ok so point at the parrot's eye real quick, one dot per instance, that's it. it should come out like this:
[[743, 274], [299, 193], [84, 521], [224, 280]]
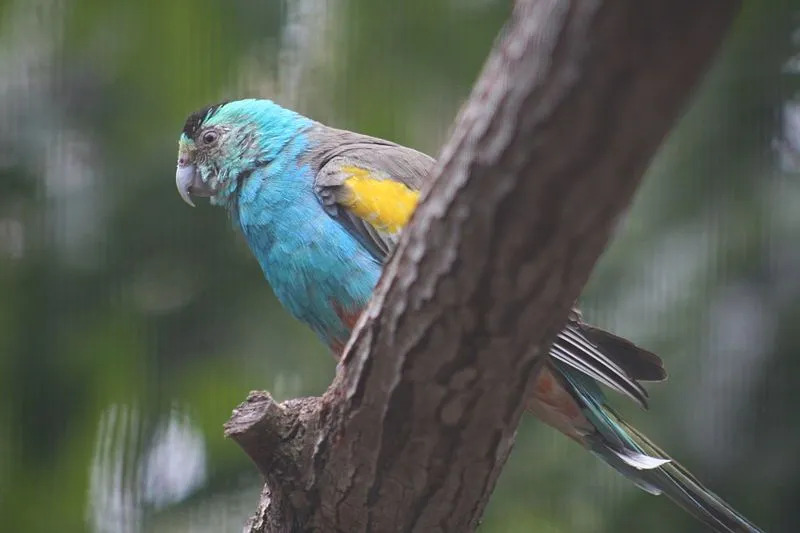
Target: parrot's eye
[[210, 137]]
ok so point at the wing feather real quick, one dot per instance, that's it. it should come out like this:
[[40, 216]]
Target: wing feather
[[341, 156], [572, 348], [338, 152]]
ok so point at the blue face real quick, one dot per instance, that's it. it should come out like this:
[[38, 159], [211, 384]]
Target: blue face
[[224, 143], [248, 155]]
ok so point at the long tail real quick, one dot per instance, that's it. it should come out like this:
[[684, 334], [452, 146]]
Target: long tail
[[632, 454], [672, 479]]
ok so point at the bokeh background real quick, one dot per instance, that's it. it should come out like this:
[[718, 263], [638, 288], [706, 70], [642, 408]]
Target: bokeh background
[[131, 325]]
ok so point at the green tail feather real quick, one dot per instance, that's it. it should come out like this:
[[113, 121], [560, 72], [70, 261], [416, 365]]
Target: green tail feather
[[633, 455], [674, 481]]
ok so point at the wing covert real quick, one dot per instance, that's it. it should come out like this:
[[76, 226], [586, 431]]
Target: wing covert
[[370, 186]]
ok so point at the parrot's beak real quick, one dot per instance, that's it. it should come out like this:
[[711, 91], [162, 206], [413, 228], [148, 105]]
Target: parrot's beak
[[189, 183]]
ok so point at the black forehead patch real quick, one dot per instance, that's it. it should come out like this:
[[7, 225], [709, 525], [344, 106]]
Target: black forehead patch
[[196, 119]]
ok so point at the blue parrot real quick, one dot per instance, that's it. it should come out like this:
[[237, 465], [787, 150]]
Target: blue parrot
[[322, 209]]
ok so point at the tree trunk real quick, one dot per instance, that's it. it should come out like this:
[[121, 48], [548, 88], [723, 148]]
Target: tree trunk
[[574, 100]]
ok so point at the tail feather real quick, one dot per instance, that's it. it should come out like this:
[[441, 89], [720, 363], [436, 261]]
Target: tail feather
[[673, 480], [633, 455]]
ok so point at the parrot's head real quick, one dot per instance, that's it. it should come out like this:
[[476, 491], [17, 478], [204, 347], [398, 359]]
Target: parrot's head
[[223, 144]]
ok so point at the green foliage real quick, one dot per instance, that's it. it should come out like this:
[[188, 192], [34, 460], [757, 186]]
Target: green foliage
[[116, 298]]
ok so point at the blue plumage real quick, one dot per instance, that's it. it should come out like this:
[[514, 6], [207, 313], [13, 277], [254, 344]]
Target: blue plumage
[[280, 176], [317, 270]]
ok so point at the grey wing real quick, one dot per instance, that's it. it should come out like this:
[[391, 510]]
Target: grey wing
[[383, 160], [637, 362], [611, 360]]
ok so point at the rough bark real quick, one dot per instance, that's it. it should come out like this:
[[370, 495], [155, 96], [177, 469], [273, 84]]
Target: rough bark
[[572, 104]]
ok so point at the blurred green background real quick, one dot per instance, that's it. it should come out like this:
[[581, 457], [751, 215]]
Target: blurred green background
[[131, 325]]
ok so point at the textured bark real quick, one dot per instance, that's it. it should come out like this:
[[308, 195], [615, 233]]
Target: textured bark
[[572, 104]]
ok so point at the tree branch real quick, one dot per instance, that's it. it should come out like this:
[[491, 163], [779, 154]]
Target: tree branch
[[572, 104]]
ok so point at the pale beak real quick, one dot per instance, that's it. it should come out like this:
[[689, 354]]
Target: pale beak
[[189, 182]]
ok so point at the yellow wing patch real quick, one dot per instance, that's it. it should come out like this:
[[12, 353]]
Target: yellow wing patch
[[386, 204]]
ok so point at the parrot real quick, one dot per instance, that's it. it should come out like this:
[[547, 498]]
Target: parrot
[[322, 209]]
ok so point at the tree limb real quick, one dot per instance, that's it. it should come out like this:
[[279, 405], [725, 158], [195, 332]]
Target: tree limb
[[572, 104]]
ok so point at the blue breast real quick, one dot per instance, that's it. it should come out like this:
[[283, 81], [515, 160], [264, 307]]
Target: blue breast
[[316, 268]]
